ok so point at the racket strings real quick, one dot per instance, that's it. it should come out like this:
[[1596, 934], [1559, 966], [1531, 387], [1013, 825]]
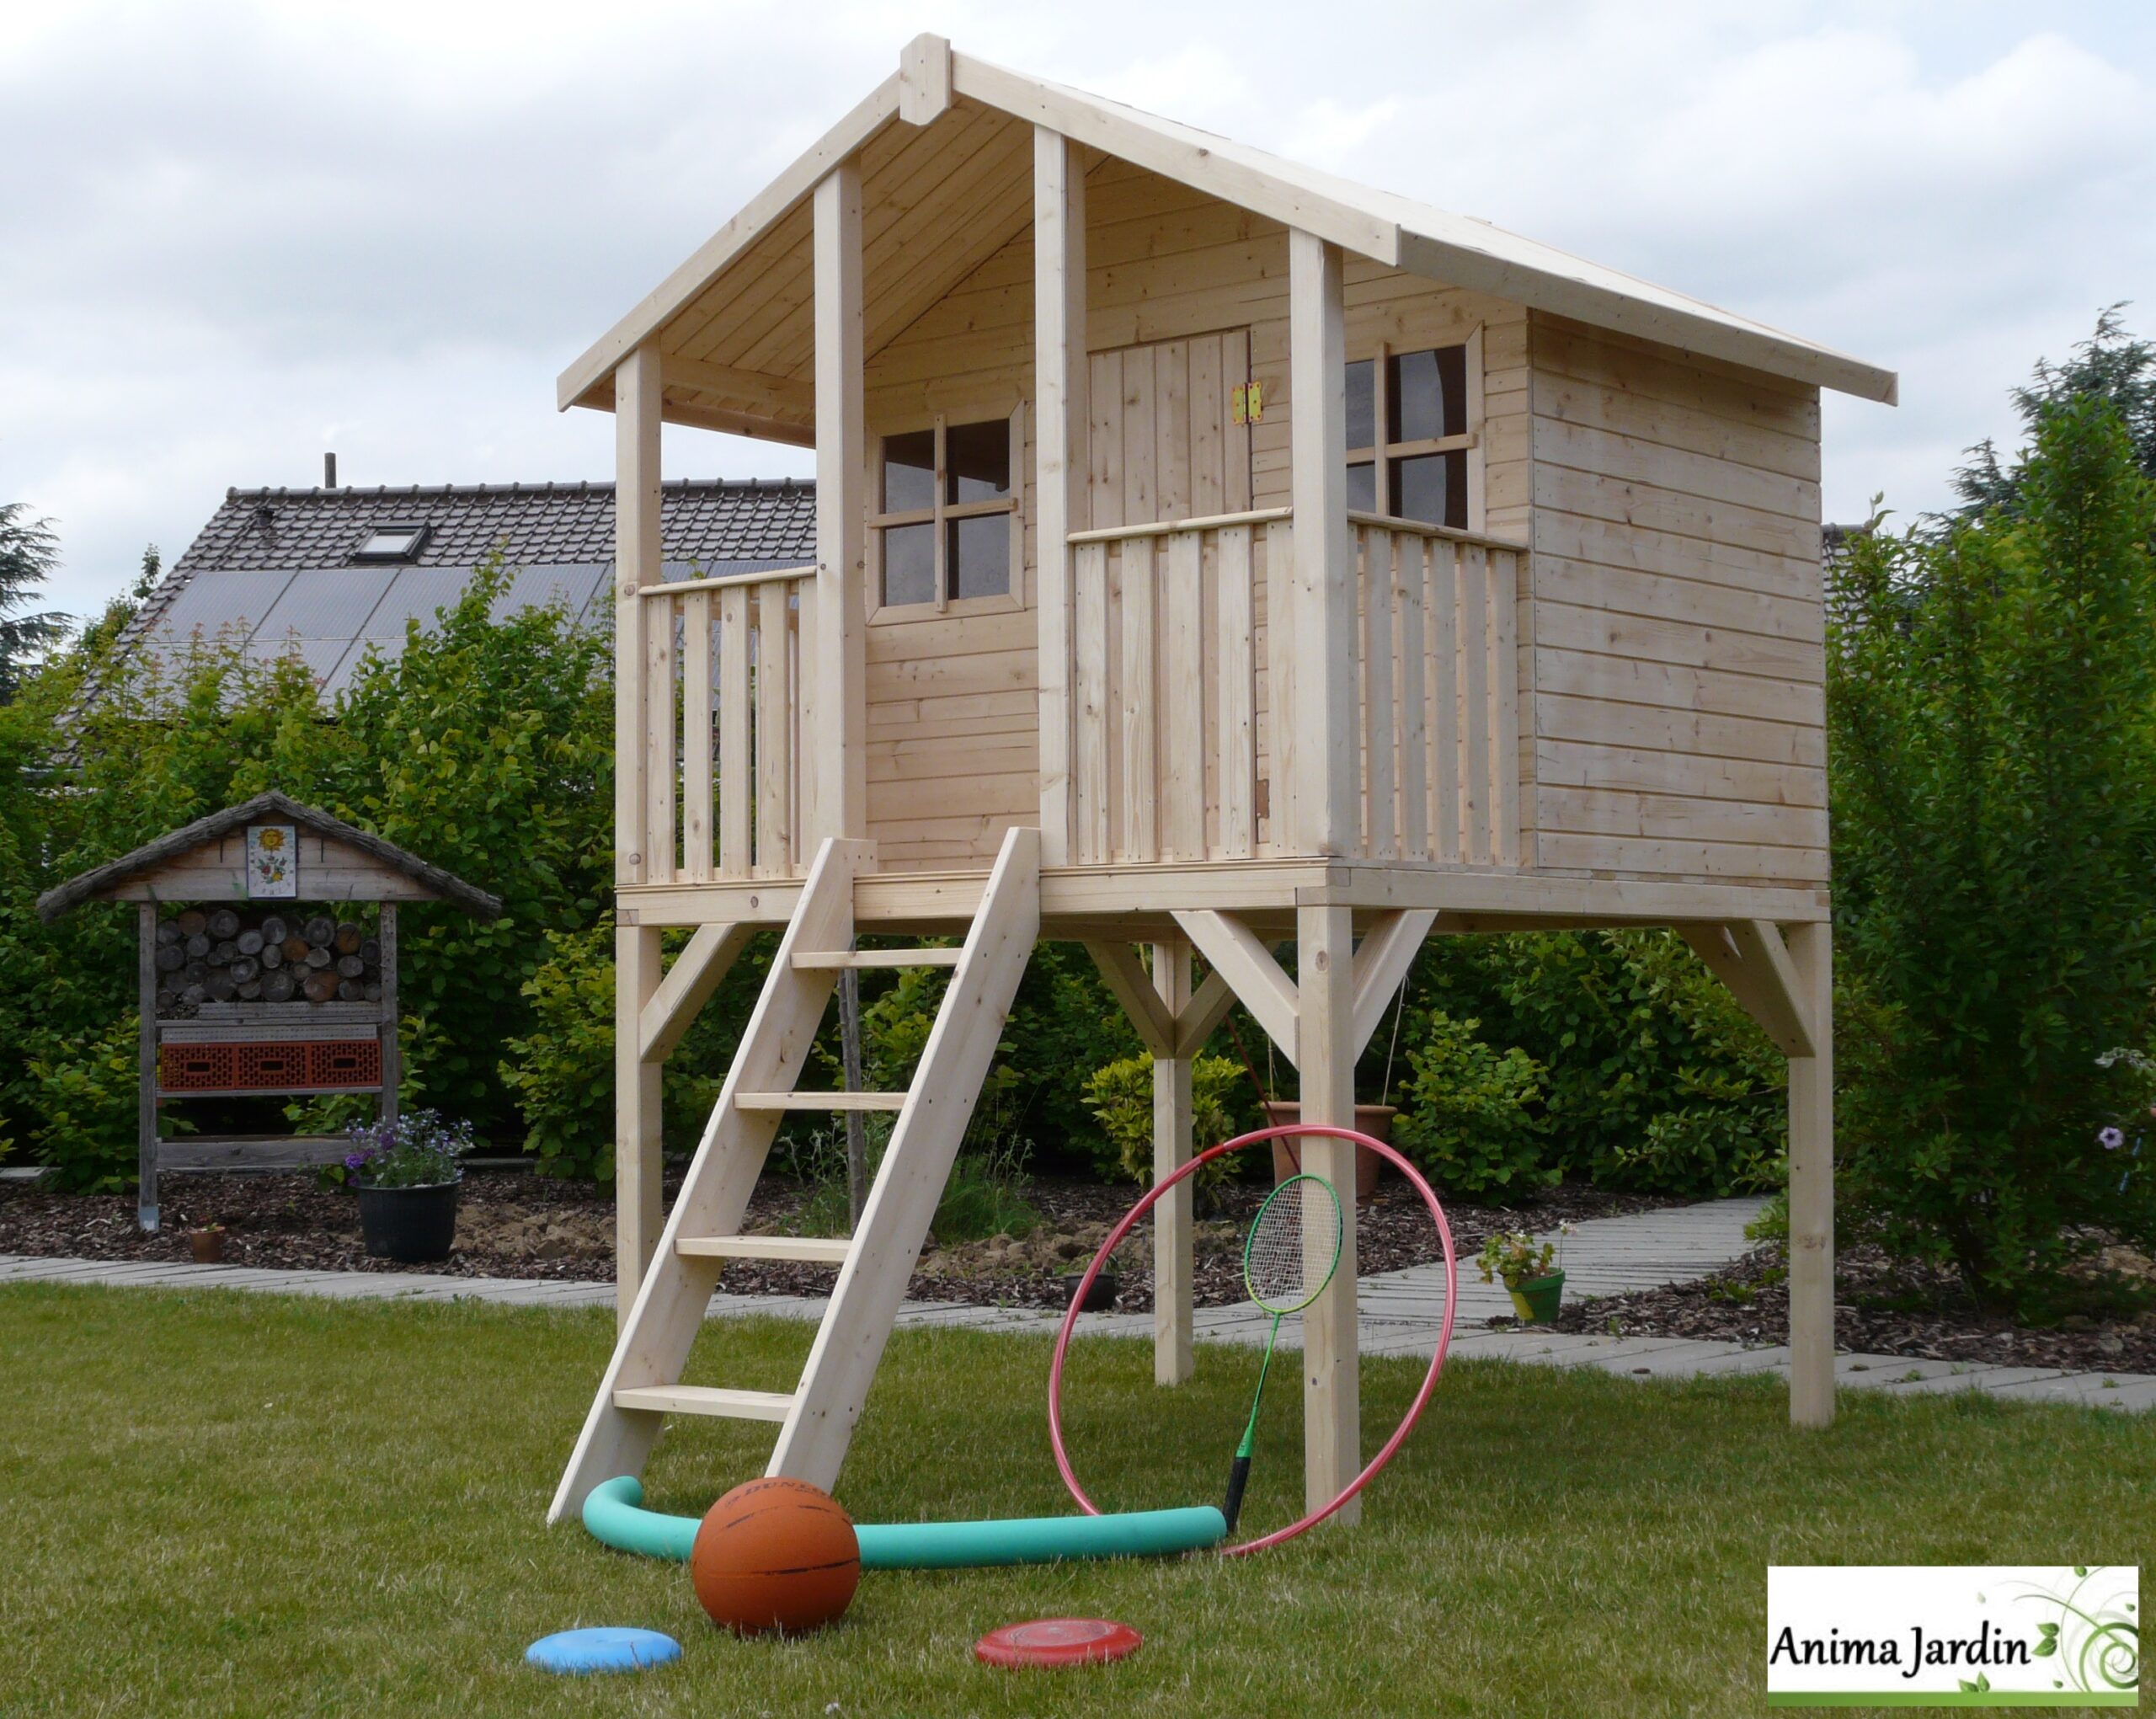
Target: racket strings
[[1294, 1246]]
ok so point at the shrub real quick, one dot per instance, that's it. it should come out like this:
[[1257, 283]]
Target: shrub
[[1990, 693], [86, 1096], [1121, 1095], [1470, 1113]]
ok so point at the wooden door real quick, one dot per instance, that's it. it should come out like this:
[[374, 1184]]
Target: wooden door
[[1164, 443]]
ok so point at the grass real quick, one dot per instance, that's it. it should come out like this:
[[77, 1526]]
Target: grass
[[239, 1504]]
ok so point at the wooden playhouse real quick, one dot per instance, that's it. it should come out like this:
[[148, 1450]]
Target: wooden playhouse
[[1212, 555]]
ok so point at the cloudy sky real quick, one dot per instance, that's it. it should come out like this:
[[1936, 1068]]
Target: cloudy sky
[[232, 236]]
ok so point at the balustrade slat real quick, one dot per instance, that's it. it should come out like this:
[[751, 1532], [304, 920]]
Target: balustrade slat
[[1410, 580], [1090, 701], [1504, 687], [1181, 701], [774, 708], [1280, 686], [1475, 700], [660, 777], [735, 764], [1138, 734], [1237, 627], [1444, 696], [1381, 828], [696, 737]]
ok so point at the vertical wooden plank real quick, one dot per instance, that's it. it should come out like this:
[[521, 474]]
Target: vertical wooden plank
[[1234, 438], [1060, 371], [1324, 613], [638, 1164], [1208, 405], [1811, 1183], [146, 1033], [737, 776], [1235, 631], [392, 1047], [1478, 512], [636, 565], [1139, 727], [1104, 440], [1172, 473], [661, 765], [1504, 707], [774, 713], [1443, 562], [696, 737], [1173, 1218], [833, 757], [1182, 700], [1283, 825], [1404, 569], [1475, 700], [1141, 491], [1380, 816], [1325, 1042], [1090, 759]]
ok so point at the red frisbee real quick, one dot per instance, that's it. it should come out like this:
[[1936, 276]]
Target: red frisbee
[[1058, 1642]]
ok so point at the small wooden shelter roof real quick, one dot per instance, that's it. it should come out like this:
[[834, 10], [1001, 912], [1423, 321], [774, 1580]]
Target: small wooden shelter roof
[[946, 154], [264, 808]]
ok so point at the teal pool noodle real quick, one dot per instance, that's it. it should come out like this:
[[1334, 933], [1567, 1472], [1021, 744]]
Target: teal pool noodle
[[614, 1515]]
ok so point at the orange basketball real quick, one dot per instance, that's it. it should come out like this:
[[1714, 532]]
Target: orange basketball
[[776, 1555]]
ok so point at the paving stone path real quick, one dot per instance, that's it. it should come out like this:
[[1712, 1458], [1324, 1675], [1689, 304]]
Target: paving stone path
[[1400, 1310]]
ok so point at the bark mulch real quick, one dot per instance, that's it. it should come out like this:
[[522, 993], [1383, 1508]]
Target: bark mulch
[[1884, 1309], [519, 1226]]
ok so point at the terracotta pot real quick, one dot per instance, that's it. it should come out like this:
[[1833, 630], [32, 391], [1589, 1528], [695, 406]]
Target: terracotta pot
[[207, 1245], [1374, 1120]]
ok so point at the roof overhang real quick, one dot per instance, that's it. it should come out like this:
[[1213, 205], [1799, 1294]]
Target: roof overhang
[[772, 397]]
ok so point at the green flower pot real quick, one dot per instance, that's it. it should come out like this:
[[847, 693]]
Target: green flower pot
[[1536, 1300]]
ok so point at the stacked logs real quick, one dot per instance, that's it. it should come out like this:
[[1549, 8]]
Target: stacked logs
[[217, 955]]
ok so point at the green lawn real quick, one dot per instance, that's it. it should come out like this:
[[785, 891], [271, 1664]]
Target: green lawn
[[230, 1504]]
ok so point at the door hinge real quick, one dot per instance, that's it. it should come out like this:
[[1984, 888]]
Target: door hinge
[[1246, 402]]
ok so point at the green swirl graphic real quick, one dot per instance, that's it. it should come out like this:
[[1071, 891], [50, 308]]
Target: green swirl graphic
[[2096, 1641]]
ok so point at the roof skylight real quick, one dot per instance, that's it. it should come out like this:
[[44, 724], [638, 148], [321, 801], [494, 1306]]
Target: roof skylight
[[398, 543]]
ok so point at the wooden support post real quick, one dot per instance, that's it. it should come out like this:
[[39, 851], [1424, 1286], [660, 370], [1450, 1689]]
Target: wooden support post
[[1331, 1371], [837, 780], [1811, 1183], [1173, 1217], [1327, 790], [146, 1127], [1060, 370], [392, 1047], [638, 1161]]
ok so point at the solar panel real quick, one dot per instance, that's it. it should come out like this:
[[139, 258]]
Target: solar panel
[[210, 603], [321, 655], [414, 595], [535, 587], [334, 603]]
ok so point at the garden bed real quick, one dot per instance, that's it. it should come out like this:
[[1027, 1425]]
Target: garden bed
[[519, 1226], [1885, 1310]]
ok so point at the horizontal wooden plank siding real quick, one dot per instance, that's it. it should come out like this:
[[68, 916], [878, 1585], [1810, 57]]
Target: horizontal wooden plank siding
[[1678, 632]]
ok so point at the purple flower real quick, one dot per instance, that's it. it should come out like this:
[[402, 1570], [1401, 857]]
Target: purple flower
[[2111, 1139]]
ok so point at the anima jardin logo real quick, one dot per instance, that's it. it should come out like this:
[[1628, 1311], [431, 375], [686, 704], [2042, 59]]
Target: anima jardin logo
[[1973, 1635]]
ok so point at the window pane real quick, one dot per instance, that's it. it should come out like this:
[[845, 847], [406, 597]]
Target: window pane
[[909, 564], [1433, 489], [909, 471], [978, 457], [1362, 402], [1362, 487], [979, 551], [1428, 394]]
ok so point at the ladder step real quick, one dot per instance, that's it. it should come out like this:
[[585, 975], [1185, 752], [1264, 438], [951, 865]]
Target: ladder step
[[824, 960], [707, 1400], [814, 1250], [820, 1100]]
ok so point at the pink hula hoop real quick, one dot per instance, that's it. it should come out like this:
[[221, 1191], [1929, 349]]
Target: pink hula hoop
[[1144, 1205]]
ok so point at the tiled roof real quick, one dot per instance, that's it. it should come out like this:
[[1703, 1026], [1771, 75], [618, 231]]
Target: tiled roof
[[278, 568]]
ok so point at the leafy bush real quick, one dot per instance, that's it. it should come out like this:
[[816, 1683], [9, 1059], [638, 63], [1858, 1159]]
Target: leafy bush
[[1990, 693], [1471, 1113], [86, 1097], [1121, 1095]]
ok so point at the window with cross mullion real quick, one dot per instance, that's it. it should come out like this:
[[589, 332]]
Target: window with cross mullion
[[1409, 435], [947, 519]]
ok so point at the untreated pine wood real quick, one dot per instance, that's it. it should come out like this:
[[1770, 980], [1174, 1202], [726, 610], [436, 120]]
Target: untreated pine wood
[[835, 770], [1174, 1216], [146, 1005], [1060, 415], [1332, 1370], [1324, 597], [636, 564], [1811, 1182], [638, 1115]]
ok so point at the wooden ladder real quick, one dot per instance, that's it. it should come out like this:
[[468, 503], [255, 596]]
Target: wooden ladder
[[816, 1421]]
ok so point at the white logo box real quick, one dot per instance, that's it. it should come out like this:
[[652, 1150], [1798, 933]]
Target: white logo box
[[1953, 1635]]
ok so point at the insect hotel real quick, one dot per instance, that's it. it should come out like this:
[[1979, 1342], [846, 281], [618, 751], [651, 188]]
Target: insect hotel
[[245, 993], [1211, 557]]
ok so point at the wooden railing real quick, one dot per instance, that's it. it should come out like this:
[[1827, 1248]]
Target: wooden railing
[[1182, 687], [1437, 667], [1164, 686], [723, 733]]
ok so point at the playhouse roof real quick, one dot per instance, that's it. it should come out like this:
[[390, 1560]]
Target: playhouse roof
[[204, 832], [945, 146], [280, 572]]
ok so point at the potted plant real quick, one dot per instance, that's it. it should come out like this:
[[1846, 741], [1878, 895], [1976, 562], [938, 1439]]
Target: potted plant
[[206, 1242], [408, 1170], [1374, 1120], [1533, 1275]]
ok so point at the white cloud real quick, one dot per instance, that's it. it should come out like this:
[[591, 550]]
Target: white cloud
[[231, 235]]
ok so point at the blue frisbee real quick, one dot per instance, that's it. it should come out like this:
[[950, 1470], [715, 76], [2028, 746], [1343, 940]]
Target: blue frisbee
[[581, 1652]]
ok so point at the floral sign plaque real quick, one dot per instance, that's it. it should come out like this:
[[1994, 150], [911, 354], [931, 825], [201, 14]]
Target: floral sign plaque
[[273, 854]]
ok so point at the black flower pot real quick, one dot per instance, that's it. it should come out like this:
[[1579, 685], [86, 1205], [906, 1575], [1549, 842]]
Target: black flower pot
[[413, 1225], [1098, 1300]]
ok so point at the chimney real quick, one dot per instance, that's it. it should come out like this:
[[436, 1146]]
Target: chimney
[[329, 470]]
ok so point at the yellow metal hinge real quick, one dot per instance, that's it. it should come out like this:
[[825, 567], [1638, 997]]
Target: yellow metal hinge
[[1246, 402]]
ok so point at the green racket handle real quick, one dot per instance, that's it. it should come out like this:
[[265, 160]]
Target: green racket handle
[[1238, 1478]]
